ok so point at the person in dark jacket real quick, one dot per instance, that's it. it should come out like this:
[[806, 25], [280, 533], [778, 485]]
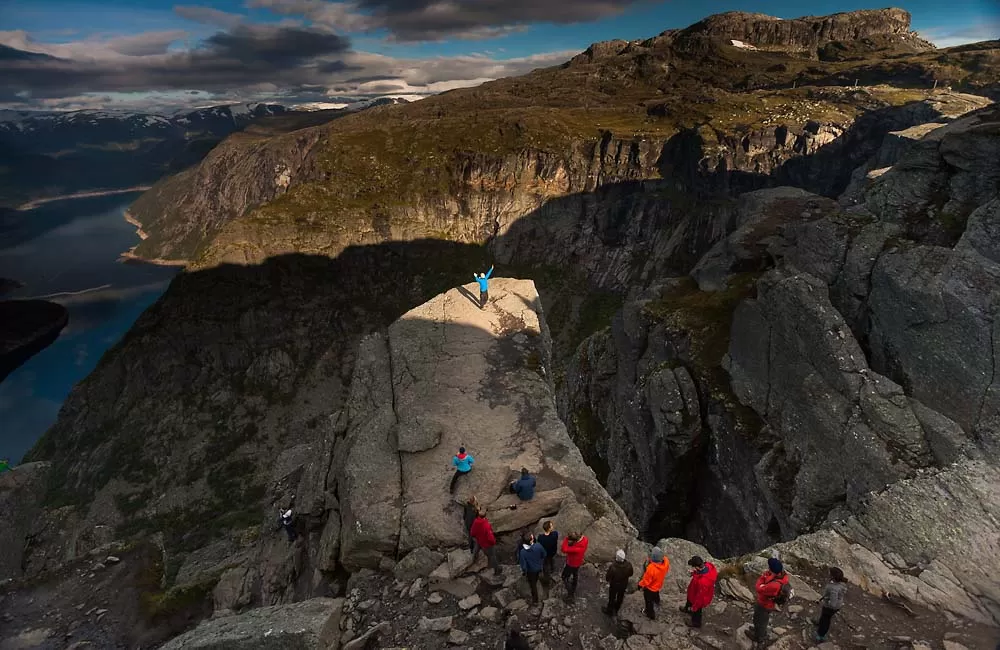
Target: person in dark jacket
[[549, 539], [832, 602], [701, 589], [617, 576], [524, 487], [469, 511], [531, 557]]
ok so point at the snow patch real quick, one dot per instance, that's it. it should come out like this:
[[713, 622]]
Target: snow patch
[[742, 45]]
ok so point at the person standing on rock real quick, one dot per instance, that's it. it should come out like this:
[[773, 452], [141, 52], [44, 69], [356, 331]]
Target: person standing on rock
[[832, 602], [484, 286], [482, 534], [469, 511], [524, 487], [652, 580], [549, 539], [574, 547], [701, 589], [463, 465], [531, 557], [769, 588], [617, 576]]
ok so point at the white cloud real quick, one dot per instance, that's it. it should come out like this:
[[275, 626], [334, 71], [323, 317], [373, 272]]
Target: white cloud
[[987, 30]]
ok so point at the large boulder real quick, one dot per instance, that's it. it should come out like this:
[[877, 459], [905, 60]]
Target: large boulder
[[308, 625], [448, 374]]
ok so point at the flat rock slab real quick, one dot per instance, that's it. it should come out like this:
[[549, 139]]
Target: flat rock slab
[[308, 625], [448, 375]]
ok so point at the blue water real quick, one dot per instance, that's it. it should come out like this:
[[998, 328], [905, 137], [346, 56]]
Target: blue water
[[64, 247]]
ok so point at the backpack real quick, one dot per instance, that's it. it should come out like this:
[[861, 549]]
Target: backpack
[[786, 594]]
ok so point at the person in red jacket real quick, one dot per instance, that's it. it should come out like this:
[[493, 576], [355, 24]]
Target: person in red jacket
[[573, 547], [769, 586], [701, 589], [483, 538]]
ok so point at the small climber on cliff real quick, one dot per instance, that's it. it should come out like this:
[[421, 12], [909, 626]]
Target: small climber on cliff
[[524, 487], [652, 580], [701, 589], [482, 533], [484, 286], [287, 520], [772, 589], [549, 539], [574, 547], [463, 465]]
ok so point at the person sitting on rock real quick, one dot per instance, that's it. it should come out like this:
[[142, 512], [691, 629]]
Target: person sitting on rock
[[463, 465], [482, 534], [469, 511], [652, 580], [617, 576], [701, 589], [573, 547], [769, 586], [524, 487], [531, 557], [549, 539], [484, 287], [832, 601]]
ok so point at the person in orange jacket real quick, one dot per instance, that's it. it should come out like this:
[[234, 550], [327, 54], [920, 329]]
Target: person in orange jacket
[[652, 580], [769, 586], [701, 589], [573, 547]]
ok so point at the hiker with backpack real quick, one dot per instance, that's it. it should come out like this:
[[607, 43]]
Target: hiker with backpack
[[832, 602], [773, 591], [701, 589], [463, 465]]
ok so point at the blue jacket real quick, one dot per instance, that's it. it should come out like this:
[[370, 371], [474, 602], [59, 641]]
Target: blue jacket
[[524, 487], [484, 283], [531, 558], [463, 464], [549, 542]]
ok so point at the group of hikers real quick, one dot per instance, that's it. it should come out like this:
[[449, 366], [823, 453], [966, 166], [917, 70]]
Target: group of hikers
[[536, 555]]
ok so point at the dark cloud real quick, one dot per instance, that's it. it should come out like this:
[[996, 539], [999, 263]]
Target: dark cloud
[[281, 46], [431, 20], [12, 54]]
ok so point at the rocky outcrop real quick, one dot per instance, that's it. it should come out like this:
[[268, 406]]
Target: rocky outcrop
[[808, 35], [26, 328], [309, 625], [22, 491], [448, 375]]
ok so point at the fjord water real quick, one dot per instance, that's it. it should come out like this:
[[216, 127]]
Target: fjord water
[[67, 251]]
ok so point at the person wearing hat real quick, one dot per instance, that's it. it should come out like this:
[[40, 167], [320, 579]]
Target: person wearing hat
[[463, 465], [617, 576], [652, 580], [700, 590], [769, 586]]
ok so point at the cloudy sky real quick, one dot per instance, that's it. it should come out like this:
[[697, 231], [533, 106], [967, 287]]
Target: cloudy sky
[[153, 54]]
